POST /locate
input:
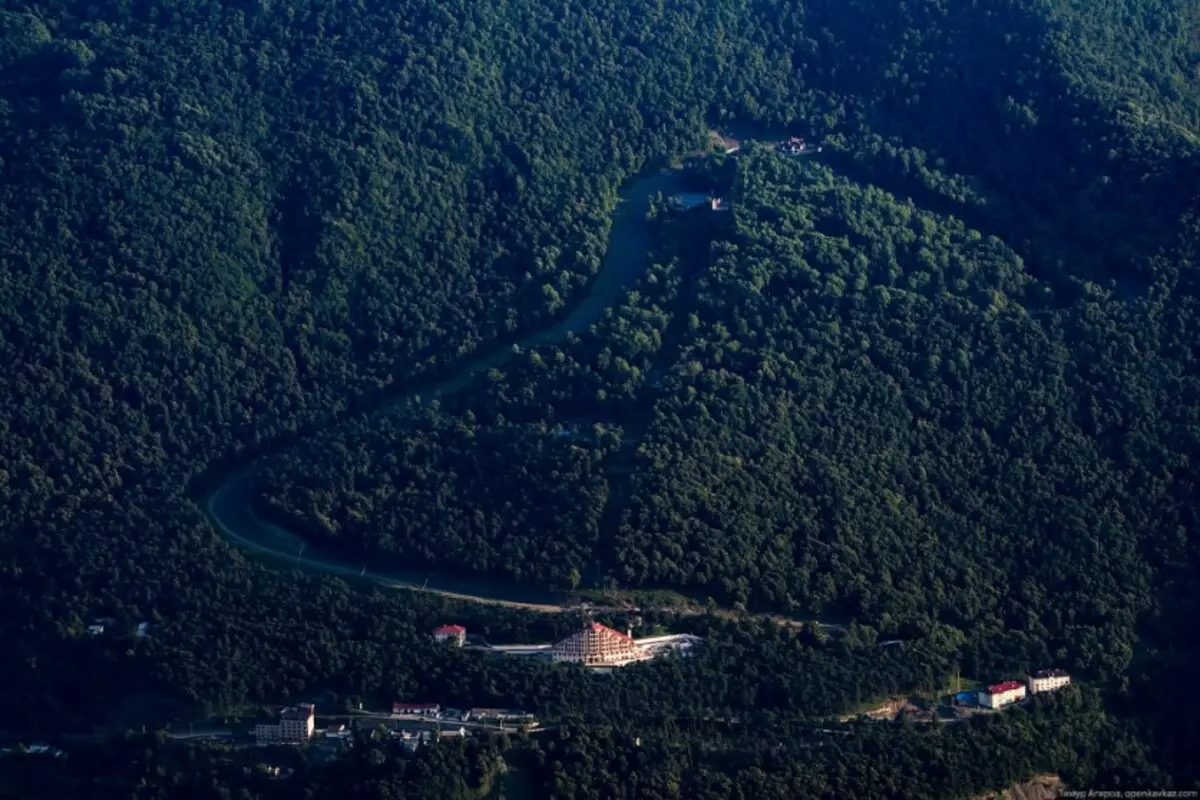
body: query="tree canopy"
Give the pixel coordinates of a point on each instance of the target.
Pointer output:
(939, 382)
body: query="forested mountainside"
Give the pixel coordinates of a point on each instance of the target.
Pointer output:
(893, 382)
(871, 412)
(966, 333)
(1136, 56)
(691, 758)
(210, 212)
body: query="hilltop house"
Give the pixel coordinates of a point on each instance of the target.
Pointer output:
(455, 635)
(1048, 680)
(999, 695)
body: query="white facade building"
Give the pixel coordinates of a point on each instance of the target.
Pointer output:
(295, 725)
(1048, 680)
(600, 646)
(1002, 694)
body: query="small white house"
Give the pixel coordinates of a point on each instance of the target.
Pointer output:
(141, 630)
(1000, 695)
(95, 629)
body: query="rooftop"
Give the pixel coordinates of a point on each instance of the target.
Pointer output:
(1006, 686)
(598, 628)
(450, 629)
(1051, 673)
(499, 712)
(303, 711)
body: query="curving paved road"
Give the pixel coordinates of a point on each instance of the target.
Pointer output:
(231, 510)
(229, 504)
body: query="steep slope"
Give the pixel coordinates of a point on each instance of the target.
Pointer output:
(222, 223)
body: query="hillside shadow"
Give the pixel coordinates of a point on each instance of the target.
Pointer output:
(986, 93)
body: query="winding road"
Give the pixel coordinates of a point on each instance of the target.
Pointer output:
(229, 503)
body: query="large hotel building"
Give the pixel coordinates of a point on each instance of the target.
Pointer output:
(599, 646)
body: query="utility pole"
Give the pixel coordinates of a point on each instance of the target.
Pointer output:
(301, 553)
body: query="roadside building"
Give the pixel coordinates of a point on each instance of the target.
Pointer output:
(294, 726)
(266, 733)
(999, 695)
(298, 722)
(796, 146)
(452, 634)
(793, 146)
(1048, 680)
(424, 709)
(497, 715)
(480, 714)
(600, 646)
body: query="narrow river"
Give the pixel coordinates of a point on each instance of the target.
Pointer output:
(229, 504)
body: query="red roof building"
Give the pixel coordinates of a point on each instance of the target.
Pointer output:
(1006, 686)
(999, 695)
(455, 634)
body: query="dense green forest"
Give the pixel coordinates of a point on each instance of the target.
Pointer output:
(941, 382)
(486, 495)
(870, 412)
(686, 759)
